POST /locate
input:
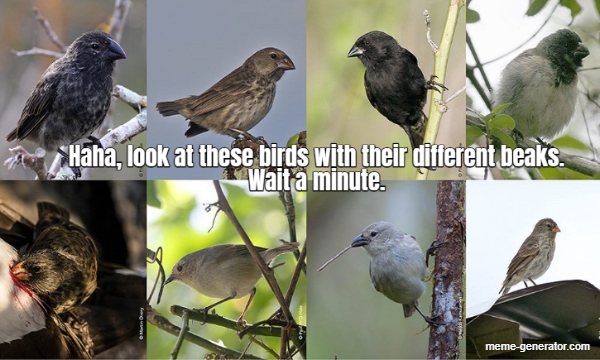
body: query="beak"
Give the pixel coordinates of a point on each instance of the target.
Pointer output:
(168, 280)
(115, 51)
(556, 230)
(356, 51)
(582, 51)
(20, 273)
(286, 64)
(359, 241)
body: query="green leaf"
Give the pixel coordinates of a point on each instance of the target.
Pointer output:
(569, 142)
(571, 5)
(151, 195)
(535, 7)
(473, 133)
(472, 16)
(495, 111)
(597, 2)
(502, 121)
(552, 173)
(293, 140)
(504, 138)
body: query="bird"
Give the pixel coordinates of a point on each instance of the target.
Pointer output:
(394, 83)
(61, 265)
(541, 85)
(237, 102)
(534, 256)
(225, 271)
(73, 95)
(397, 267)
(29, 328)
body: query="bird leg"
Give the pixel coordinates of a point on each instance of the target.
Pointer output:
(64, 160)
(206, 309)
(525, 282)
(532, 281)
(428, 319)
(431, 249)
(434, 85)
(241, 320)
(248, 136)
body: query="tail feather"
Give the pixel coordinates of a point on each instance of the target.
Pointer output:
(12, 135)
(409, 309)
(169, 108)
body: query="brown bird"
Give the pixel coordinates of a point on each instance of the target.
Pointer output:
(237, 102)
(60, 266)
(225, 271)
(534, 257)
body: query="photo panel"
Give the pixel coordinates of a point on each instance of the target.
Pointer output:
(50, 101)
(192, 46)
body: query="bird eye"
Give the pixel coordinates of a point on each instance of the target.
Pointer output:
(373, 233)
(273, 56)
(95, 46)
(36, 269)
(180, 267)
(367, 42)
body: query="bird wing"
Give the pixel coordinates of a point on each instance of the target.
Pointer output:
(225, 92)
(39, 104)
(526, 253)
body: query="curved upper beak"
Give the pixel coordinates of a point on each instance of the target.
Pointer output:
(582, 51)
(556, 230)
(115, 51)
(355, 51)
(286, 64)
(20, 273)
(359, 241)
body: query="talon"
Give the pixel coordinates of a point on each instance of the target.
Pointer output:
(431, 84)
(93, 141)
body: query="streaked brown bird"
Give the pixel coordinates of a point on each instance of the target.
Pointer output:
(534, 257)
(225, 271)
(61, 265)
(237, 102)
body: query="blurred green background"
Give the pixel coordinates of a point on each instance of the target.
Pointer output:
(181, 226)
(69, 19)
(348, 317)
(337, 106)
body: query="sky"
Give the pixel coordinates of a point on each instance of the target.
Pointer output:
(500, 216)
(193, 45)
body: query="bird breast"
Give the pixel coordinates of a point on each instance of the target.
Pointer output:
(541, 263)
(398, 278)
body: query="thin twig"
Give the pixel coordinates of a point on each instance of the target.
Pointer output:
(434, 47)
(185, 327)
(38, 51)
(49, 32)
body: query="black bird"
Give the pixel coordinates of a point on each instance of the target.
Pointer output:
(73, 95)
(394, 83)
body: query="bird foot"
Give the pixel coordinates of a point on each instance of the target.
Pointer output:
(434, 85)
(431, 250)
(431, 320)
(93, 141)
(64, 161)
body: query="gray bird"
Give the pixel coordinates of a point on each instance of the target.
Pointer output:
(541, 84)
(397, 266)
(224, 271)
(534, 257)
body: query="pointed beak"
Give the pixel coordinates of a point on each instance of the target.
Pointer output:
(114, 52)
(356, 51)
(582, 51)
(20, 273)
(359, 241)
(168, 280)
(286, 64)
(556, 230)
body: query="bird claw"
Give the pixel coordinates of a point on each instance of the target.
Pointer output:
(434, 85)
(93, 141)
(430, 320)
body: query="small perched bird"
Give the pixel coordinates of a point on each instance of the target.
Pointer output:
(61, 265)
(237, 102)
(397, 266)
(225, 271)
(534, 257)
(394, 83)
(73, 96)
(541, 85)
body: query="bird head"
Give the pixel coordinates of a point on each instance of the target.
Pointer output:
(270, 62)
(95, 45)
(374, 47)
(565, 49)
(41, 271)
(378, 237)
